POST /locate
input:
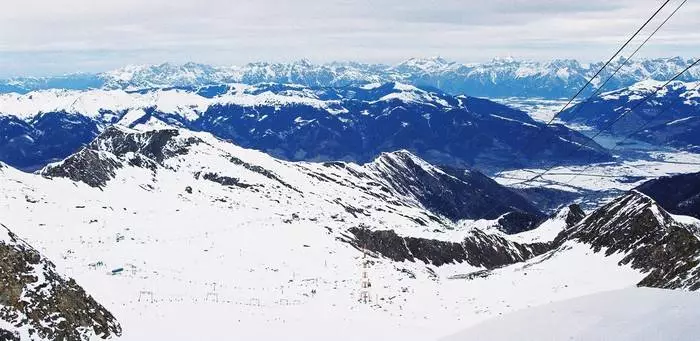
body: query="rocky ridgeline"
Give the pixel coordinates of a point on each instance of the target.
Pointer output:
(652, 241)
(97, 163)
(478, 249)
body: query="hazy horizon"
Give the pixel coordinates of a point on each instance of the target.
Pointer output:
(42, 38)
(313, 62)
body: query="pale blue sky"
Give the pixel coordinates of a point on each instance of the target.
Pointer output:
(43, 37)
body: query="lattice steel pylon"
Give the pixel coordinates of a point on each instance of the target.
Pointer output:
(365, 283)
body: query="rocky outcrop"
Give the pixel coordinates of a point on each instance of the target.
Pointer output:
(40, 303)
(477, 249)
(575, 215)
(652, 241)
(98, 162)
(89, 166)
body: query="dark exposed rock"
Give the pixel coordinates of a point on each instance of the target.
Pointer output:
(262, 171)
(96, 164)
(478, 248)
(88, 166)
(678, 194)
(34, 296)
(651, 240)
(6, 335)
(224, 180)
(516, 222)
(151, 144)
(575, 215)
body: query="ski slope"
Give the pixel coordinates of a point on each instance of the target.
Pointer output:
(637, 314)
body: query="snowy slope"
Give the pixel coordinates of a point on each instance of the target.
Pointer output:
(227, 242)
(623, 315)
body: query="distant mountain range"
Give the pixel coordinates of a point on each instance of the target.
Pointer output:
(671, 117)
(498, 78)
(296, 123)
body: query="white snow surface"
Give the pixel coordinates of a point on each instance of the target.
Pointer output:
(633, 314)
(265, 262)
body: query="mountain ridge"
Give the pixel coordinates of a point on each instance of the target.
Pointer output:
(501, 77)
(296, 123)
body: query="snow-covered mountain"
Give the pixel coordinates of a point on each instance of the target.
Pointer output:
(673, 113)
(399, 178)
(296, 123)
(663, 247)
(168, 227)
(501, 77)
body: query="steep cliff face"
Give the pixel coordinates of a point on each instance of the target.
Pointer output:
(40, 304)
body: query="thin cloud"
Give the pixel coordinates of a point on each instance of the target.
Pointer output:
(47, 37)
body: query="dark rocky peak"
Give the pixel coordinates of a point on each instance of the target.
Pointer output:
(623, 215)
(156, 145)
(678, 194)
(651, 240)
(517, 221)
(89, 166)
(454, 193)
(36, 301)
(478, 248)
(98, 162)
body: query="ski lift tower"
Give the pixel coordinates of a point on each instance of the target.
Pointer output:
(365, 283)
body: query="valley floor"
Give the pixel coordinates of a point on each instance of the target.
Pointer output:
(597, 183)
